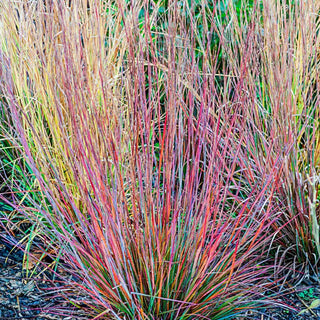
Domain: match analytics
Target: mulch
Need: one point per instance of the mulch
(29, 297)
(293, 303)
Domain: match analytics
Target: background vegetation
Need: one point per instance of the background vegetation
(165, 153)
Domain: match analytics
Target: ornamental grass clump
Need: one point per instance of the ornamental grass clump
(130, 135)
(281, 85)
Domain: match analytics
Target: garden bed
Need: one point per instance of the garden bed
(32, 297)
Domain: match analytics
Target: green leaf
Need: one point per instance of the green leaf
(313, 305)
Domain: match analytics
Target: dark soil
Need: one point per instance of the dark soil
(297, 299)
(31, 297)
(281, 314)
